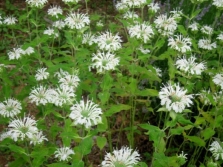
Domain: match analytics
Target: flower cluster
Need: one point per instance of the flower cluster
(180, 43)
(10, 107)
(63, 153)
(77, 20)
(216, 150)
(16, 53)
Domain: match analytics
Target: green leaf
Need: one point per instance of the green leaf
(101, 142)
(17, 149)
(116, 108)
(77, 163)
(147, 92)
(85, 146)
(104, 97)
(197, 140)
(207, 133)
(19, 162)
(171, 68)
(38, 156)
(58, 165)
(103, 126)
(177, 131)
(182, 29)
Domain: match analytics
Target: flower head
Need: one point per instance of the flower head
(10, 108)
(180, 43)
(41, 95)
(130, 15)
(154, 7)
(37, 138)
(165, 25)
(51, 32)
(21, 128)
(182, 158)
(10, 20)
(16, 53)
(71, 81)
(206, 44)
(125, 157)
(88, 38)
(63, 153)
(190, 66)
(77, 20)
(41, 74)
(141, 31)
(36, 3)
(70, 1)
(59, 24)
(207, 30)
(85, 113)
(216, 150)
(174, 98)
(194, 26)
(218, 80)
(104, 61)
(55, 11)
(134, 3)
(220, 37)
(218, 3)
(109, 42)
(28, 51)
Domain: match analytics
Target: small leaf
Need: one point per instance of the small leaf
(101, 142)
(207, 133)
(197, 140)
(116, 108)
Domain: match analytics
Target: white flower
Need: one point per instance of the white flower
(130, 15)
(21, 128)
(180, 43)
(104, 61)
(121, 6)
(51, 32)
(194, 26)
(123, 157)
(36, 3)
(55, 11)
(16, 53)
(4, 135)
(144, 51)
(141, 31)
(207, 30)
(216, 150)
(154, 7)
(63, 153)
(63, 95)
(174, 98)
(41, 74)
(166, 26)
(182, 155)
(134, 3)
(206, 44)
(88, 38)
(218, 80)
(59, 24)
(176, 13)
(71, 81)
(190, 66)
(109, 42)
(204, 96)
(220, 37)
(218, 3)
(85, 113)
(10, 108)
(37, 138)
(28, 51)
(41, 95)
(158, 71)
(99, 24)
(77, 20)
(61, 73)
(10, 20)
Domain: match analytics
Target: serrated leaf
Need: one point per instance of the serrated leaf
(85, 146)
(197, 140)
(207, 133)
(182, 30)
(117, 108)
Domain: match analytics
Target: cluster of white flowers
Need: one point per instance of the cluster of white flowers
(207, 30)
(77, 20)
(165, 25)
(63, 153)
(104, 61)
(141, 31)
(88, 38)
(20, 129)
(180, 43)
(190, 66)
(59, 24)
(36, 3)
(134, 3)
(206, 44)
(10, 107)
(216, 150)
(16, 53)
(220, 37)
(131, 15)
(123, 157)
(154, 7)
(55, 11)
(71, 1)
(85, 113)
(143, 50)
(174, 98)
